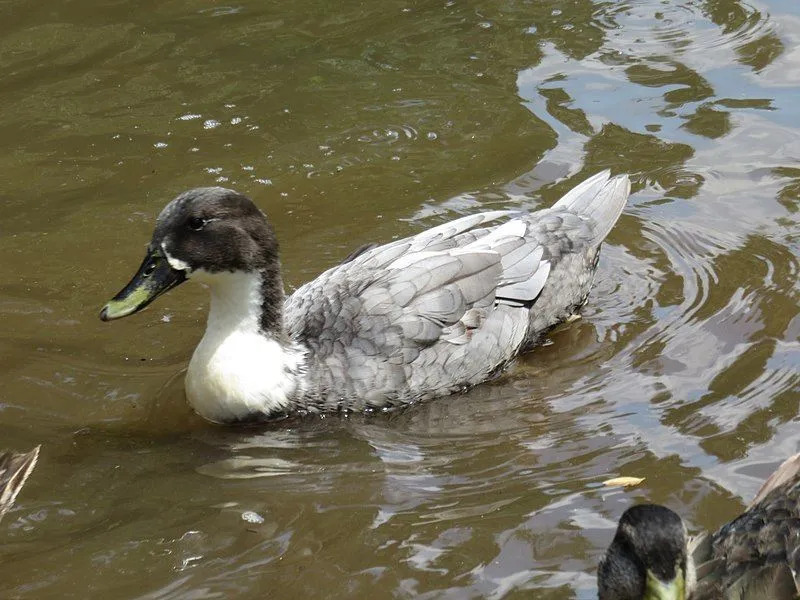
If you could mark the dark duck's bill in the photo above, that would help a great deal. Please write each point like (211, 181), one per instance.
(154, 277)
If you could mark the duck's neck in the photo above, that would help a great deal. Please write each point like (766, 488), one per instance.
(243, 301)
(270, 298)
(245, 367)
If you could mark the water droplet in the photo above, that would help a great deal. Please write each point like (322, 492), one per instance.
(485, 25)
(432, 135)
(252, 517)
(160, 145)
(211, 124)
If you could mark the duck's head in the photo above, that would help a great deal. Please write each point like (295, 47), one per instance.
(647, 560)
(200, 234)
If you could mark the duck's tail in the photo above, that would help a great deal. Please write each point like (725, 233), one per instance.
(787, 474)
(600, 198)
(14, 470)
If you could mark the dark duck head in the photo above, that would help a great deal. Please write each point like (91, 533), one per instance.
(206, 234)
(245, 368)
(753, 557)
(647, 559)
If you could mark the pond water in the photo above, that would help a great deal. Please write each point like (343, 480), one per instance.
(350, 122)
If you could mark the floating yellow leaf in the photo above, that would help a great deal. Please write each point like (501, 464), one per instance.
(623, 481)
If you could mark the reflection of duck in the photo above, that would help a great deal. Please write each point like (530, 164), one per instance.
(14, 470)
(416, 318)
(754, 557)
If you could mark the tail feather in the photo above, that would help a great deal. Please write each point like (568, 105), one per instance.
(601, 198)
(787, 473)
(14, 470)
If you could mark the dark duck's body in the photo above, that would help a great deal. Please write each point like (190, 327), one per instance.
(754, 557)
(413, 319)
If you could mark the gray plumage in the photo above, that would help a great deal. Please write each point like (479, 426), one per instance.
(449, 307)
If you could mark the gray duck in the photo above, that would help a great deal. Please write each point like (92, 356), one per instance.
(420, 317)
(754, 557)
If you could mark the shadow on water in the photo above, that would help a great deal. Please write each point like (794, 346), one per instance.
(350, 123)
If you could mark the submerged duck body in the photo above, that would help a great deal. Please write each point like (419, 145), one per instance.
(754, 557)
(410, 320)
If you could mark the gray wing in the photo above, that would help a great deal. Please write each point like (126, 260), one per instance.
(441, 310)
(422, 316)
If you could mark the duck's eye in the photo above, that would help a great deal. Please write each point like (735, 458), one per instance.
(196, 223)
(148, 270)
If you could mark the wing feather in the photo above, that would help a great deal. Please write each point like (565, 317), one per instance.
(435, 311)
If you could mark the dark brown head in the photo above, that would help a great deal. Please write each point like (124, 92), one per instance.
(200, 233)
(214, 230)
(647, 560)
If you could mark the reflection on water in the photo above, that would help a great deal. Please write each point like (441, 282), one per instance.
(351, 123)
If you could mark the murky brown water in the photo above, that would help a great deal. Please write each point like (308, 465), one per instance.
(350, 122)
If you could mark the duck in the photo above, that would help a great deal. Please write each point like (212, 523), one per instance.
(15, 468)
(413, 319)
(753, 557)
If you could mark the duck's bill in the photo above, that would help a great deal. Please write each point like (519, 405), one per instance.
(656, 589)
(153, 278)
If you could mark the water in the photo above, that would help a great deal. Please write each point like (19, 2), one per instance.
(351, 122)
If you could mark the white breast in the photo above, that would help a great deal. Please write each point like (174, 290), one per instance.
(240, 375)
(236, 371)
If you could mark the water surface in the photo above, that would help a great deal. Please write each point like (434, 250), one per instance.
(351, 122)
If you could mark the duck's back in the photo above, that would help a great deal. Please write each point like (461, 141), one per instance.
(757, 555)
(443, 310)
